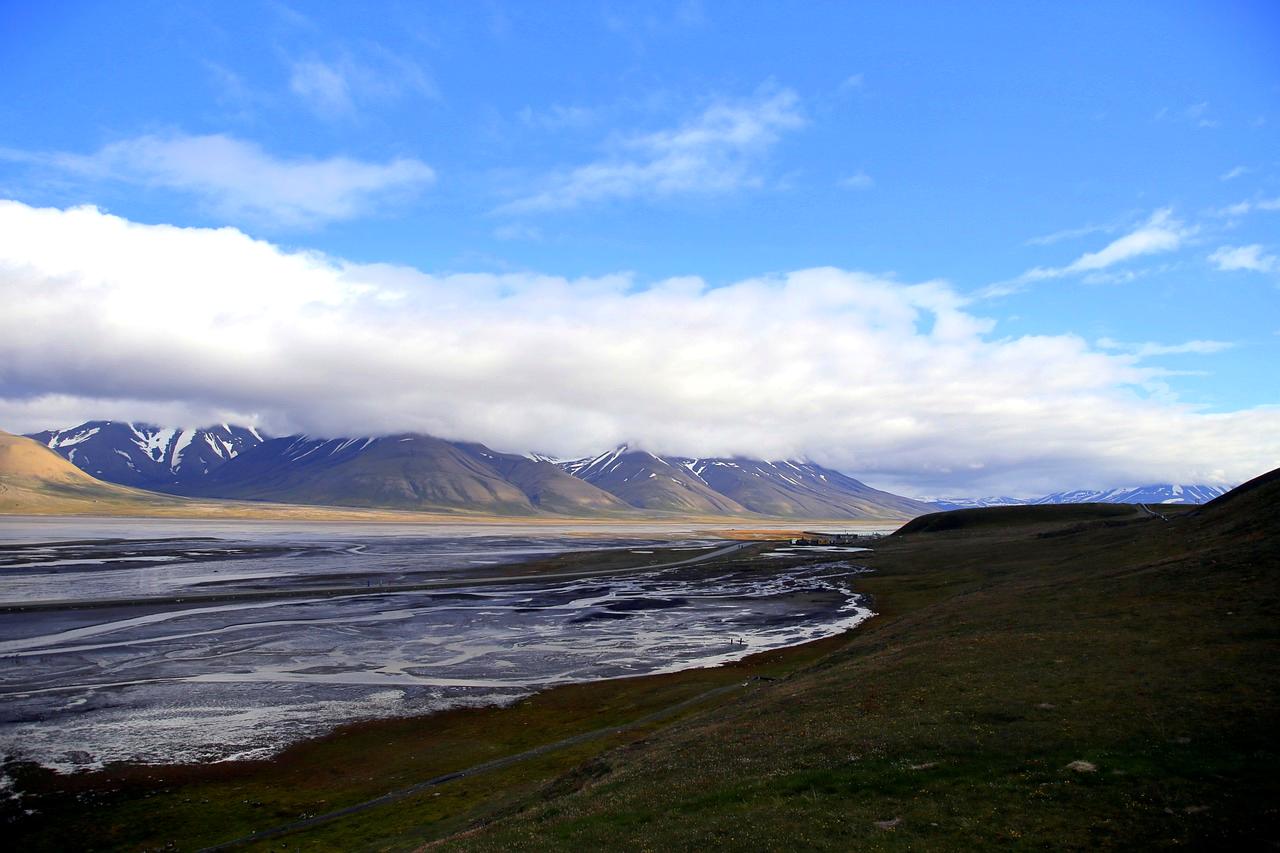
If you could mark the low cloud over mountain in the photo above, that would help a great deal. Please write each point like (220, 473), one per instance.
(904, 383)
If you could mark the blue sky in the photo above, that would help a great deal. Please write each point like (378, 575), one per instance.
(1103, 174)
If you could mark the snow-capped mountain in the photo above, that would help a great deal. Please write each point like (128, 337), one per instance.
(399, 471)
(974, 503)
(414, 471)
(795, 488)
(735, 485)
(149, 457)
(650, 482)
(1159, 493)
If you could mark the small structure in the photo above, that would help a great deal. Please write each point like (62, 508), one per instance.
(809, 537)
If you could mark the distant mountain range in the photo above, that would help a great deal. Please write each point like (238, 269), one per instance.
(421, 472)
(975, 503)
(1158, 493)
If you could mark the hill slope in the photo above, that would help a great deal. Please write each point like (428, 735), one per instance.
(1013, 517)
(1040, 684)
(35, 480)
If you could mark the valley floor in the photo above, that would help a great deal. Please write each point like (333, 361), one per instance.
(1065, 685)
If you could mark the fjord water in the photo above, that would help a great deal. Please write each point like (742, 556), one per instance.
(177, 641)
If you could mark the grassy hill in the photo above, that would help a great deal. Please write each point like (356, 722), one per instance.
(1014, 517)
(1116, 685)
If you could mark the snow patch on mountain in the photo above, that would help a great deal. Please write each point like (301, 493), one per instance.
(1158, 493)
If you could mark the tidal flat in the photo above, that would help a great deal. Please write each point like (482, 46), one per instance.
(177, 643)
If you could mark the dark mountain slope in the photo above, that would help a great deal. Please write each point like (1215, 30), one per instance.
(650, 482)
(146, 456)
(547, 486)
(400, 471)
(1013, 517)
(799, 490)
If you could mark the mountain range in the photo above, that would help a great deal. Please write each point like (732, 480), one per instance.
(1160, 493)
(1156, 493)
(422, 472)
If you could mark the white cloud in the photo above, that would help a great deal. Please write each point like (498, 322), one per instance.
(1159, 234)
(323, 86)
(1198, 113)
(853, 83)
(901, 383)
(1242, 208)
(232, 92)
(1117, 276)
(335, 89)
(1252, 258)
(1070, 234)
(240, 181)
(1150, 348)
(716, 152)
(860, 180)
(518, 231)
(557, 117)
(1232, 174)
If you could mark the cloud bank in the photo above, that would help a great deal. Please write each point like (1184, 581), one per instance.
(900, 383)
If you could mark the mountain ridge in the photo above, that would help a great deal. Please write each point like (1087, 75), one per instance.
(1152, 493)
(421, 472)
(147, 456)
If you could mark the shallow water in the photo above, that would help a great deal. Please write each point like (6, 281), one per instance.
(156, 681)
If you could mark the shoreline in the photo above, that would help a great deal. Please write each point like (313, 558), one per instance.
(748, 526)
(749, 662)
(362, 761)
(571, 565)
